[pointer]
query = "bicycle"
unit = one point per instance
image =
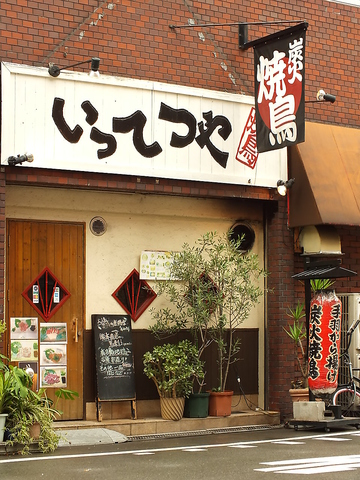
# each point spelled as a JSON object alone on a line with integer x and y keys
{"x": 348, "y": 395}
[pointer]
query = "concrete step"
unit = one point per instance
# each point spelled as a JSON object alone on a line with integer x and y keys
{"x": 145, "y": 427}
{"x": 88, "y": 432}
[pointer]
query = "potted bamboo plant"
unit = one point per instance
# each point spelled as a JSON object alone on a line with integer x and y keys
{"x": 173, "y": 368}
{"x": 213, "y": 290}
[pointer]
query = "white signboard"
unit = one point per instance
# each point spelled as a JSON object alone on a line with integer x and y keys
{"x": 155, "y": 265}
{"x": 127, "y": 126}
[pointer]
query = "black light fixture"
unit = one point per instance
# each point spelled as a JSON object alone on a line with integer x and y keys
{"x": 12, "y": 161}
{"x": 282, "y": 186}
{"x": 54, "y": 70}
{"x": 321, "y": 96}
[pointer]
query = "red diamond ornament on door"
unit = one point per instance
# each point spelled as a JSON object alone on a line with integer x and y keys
{"x": 46, "y": 294}
{"x": 134, "y": 295}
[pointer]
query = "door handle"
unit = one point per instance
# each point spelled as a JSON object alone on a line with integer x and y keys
{"x": 75, "y": 329}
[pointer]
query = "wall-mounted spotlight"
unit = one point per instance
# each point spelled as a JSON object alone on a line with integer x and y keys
{"x": 54, "y": 70}
{"x": 321, "y": 96}
{"x": 12, "y": 161}
{"x": 283, "y": 186}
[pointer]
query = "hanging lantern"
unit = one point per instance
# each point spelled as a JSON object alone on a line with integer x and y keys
{"x": 324, "y": 342}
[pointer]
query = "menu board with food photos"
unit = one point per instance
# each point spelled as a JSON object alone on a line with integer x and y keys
{"x": 155, "y": 265}
{"x": 24, "y": 339}
{"x": 53, "y": 355}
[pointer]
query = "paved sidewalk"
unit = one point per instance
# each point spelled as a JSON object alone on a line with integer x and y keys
{"x": 106, "y": 436}
{"x": 90, "y": 436}
{"x": 86, "y": 432}
{"x": 103, "y": 436}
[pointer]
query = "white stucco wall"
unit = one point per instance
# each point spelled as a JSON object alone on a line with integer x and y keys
{"x": 135, "y": 222}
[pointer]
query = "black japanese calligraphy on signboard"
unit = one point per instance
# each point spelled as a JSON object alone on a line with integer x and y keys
{"x": 279, "y": 92}
{"x": 136, "y": 123}
{"x": 114, "y": 357}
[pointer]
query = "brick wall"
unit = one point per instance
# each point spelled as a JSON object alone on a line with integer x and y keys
{"x": 2, "y": 250}
{"x": 281, "y": 366}
{"x": 133, "y": 39}
{"x": 134, "y": 184}
{"x": 284, "y": 292}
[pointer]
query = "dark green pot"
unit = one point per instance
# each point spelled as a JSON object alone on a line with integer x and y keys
{"x": 197, "y": 405}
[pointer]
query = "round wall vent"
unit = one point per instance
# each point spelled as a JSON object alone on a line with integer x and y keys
{"x": 98, "y": 226}
{"x": 244, "y": 231}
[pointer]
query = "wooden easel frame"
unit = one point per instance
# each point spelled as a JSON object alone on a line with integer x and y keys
{"x": 99, "y": 407}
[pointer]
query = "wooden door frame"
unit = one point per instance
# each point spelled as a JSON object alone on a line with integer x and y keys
{"x": 82, "y": 302}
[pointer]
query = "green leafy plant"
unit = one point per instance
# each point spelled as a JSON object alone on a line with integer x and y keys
{"x": 173, "y": 367}
{"x": 14, "y": 382}
{"x": 297, "y": 332}
{"x": 34, "y": 408}
{"x": 25, "y": 407}
{"x": 319, "y": 284}
{"x": 212, "y": 291}
{"x": 14, "y": 385}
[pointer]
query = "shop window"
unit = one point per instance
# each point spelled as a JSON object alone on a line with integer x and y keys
{"x": 46, "y": 294}
{"x": 134, "y": 295}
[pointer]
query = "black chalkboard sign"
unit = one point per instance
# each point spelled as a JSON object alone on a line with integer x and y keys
{"x": 114, "y": 357}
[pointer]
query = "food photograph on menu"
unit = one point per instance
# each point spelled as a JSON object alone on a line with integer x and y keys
{"x": 24, "y": 350}
{"x": 25, "y": 328}
{"x": 53, "y": 333}
{"x": 54, "y": 354}
{"x": 55, "y": 377}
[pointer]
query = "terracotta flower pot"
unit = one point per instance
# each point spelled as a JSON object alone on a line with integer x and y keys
{"x": 220, "y": 403}
{"x": 299, "y": 394}
{"x": 34, "y": 431}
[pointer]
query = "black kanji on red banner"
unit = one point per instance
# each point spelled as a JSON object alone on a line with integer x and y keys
{"x": 279, "y": 91}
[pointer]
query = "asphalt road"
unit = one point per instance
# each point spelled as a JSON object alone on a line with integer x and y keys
{"x": 244, "y": 455}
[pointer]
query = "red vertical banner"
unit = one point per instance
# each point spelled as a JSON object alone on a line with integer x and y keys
{"x": 279, "y": 91}
{"x": 324, "y": 342}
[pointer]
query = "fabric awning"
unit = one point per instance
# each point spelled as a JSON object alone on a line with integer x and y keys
{"x": 327, "y": 177}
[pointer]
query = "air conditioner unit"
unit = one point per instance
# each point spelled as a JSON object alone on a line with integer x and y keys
{"x": 350, "y": 312}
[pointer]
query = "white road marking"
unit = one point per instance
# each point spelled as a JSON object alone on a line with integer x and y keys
{"x": 299, "y": 461}
{"x": 190, "y": 449}
{"x": 329, "y": 439}
{"x": 287, "y": 442}
{"x": 317, "y": 470}
{"x": 242, "y": 446}
{"x": 313, "y": 466}
{"x": 247, "y": 444}
{"x": 144, "y": 453}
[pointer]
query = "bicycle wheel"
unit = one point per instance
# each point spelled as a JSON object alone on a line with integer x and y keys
{"x": 349, "y": 401}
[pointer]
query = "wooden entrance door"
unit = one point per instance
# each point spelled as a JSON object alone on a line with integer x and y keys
{"x": 32, "y": 248}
